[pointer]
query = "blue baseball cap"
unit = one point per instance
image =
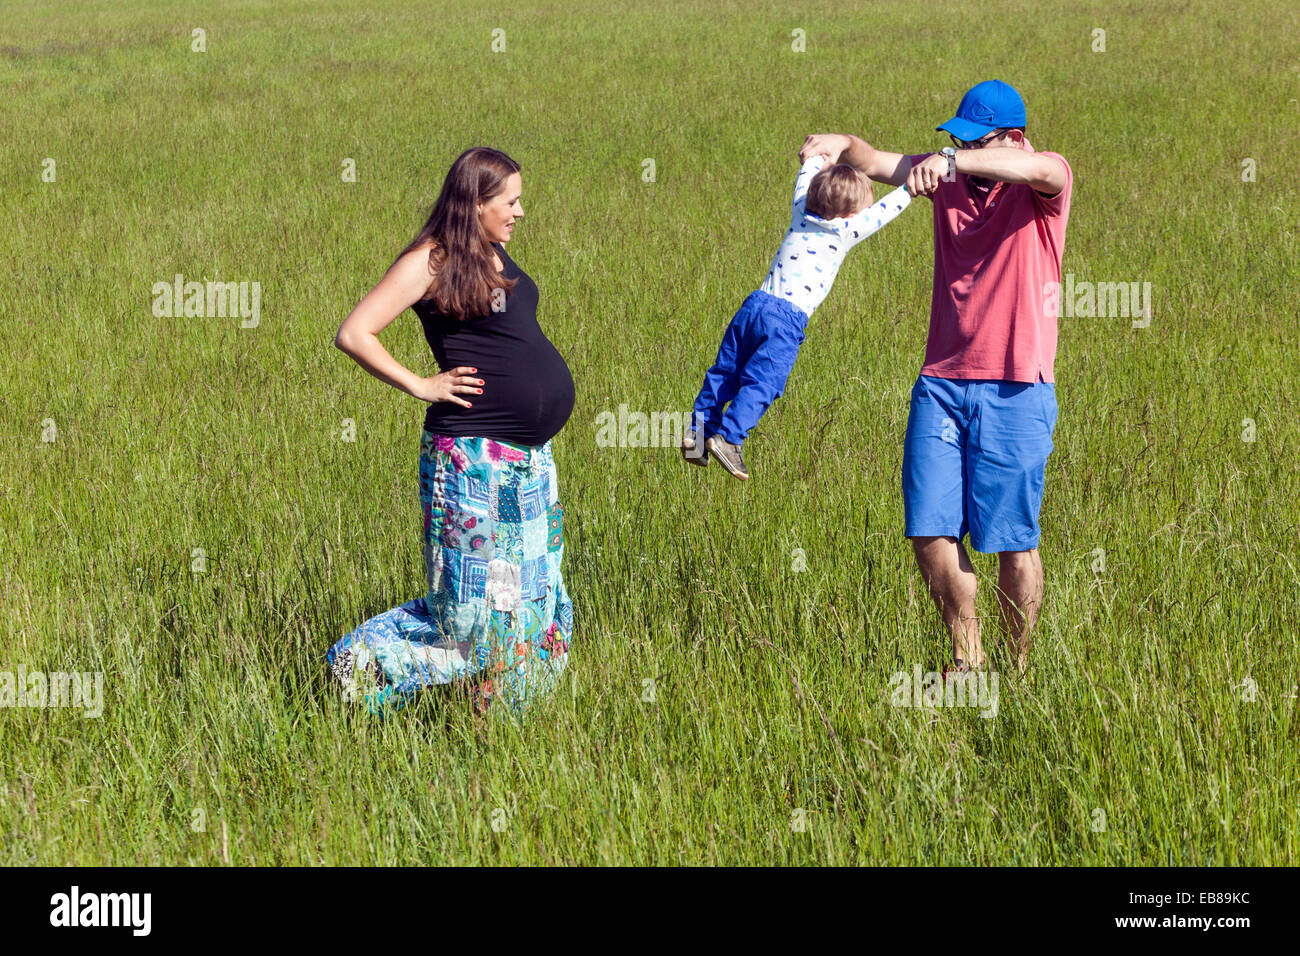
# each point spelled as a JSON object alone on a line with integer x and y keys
{"x": 985, "y": 107}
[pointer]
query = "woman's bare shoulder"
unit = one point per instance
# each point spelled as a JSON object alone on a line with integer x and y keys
{"x": 422, "y": 257}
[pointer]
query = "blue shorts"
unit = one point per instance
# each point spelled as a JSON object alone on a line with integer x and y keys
{"x": 974, "y": 459}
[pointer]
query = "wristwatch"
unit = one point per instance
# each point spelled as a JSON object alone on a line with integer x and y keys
{"x": 951, "y": 155}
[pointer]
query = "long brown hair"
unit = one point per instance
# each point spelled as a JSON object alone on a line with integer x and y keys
{"x": 461, "y": 255}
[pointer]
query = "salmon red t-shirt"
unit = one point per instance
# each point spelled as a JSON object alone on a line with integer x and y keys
{"x": 995, "y": 252}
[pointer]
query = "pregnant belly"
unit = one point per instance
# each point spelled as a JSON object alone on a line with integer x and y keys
{"x": 527, "y": 405}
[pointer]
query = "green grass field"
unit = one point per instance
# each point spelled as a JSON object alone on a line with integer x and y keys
{"x": 1158, "y": 722}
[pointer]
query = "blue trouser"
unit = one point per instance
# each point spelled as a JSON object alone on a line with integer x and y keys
{"x": 755, "y": 359}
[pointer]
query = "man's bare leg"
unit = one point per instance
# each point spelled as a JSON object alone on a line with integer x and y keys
{"x": 1020, "y": 595}
{"x": 948, "y": 574}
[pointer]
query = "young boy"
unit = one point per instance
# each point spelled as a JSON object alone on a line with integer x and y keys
{"x": 832, "y": 213}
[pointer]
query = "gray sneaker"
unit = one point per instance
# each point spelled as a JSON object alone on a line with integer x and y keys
{"x": 693, "y": 449}
{"x": 729, "y": 456}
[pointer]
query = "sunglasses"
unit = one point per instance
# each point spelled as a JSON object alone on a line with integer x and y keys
{"x": 979, "y": 143}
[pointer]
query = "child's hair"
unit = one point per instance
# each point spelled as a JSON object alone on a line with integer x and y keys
{"x": 838, "y": 191}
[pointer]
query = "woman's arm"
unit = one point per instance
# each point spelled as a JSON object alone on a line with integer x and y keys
{"x": 401, "y": 287}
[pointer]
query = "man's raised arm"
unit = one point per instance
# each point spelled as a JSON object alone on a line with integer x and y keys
{"x": 883, "y": 167}
{"x": 1045, "y": 174}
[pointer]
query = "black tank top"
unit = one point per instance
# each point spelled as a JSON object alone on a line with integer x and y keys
{"x": 527, "y": 389}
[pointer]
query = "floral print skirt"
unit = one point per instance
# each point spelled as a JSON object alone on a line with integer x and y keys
{"x": 496, "y": 617}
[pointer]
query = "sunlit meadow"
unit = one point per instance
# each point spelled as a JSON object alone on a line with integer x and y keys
{"x": 197, "y": 507}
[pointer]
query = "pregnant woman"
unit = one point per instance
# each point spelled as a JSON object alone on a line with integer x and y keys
{"x": 496, "y": 618}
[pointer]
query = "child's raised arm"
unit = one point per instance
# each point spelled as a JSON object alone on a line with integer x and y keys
{"x": 874, "y": 218}
{"x": 810, "y": 168}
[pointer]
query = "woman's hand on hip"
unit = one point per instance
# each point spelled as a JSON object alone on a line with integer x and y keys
{"x": 448, "y": 386}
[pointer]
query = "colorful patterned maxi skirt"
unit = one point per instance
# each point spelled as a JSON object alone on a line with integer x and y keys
{"x": 496, "y": 617}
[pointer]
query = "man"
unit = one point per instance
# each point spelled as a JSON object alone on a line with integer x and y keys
{"x": 983, "y": 409}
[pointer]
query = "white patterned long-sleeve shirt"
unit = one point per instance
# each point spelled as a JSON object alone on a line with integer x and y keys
{"x": 805, "y": 266}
